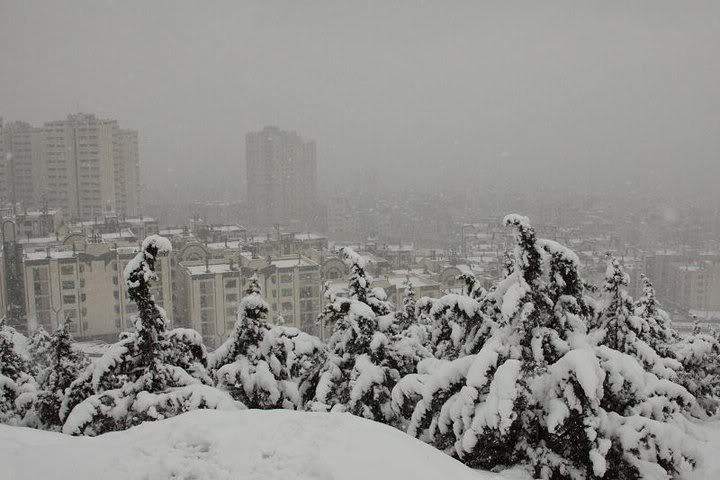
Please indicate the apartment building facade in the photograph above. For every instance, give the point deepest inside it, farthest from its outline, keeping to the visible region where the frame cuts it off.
(20, 166)
(84, 166)
(213, 290)
(281, 176)
(87, 288)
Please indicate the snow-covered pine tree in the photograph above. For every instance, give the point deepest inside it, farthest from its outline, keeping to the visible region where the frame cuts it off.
(699, 354)
(423, 307)
(661, 335)
(408, 338)
(39, 349)
(540, 393)
(459, 326)
(406, 316)
(263, 366)
(134, 380)
(460, 323)
(352, 375)
(412, 329)
(64, 365)
(185, 349)
(359, 283)
(470, 286)
(507, 264)
(250, 327)
(16, 379)
(365, 357)
(621, 329)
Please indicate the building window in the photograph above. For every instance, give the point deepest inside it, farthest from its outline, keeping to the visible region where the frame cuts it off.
(287, 292)
(69, 299)
(42, 303)
(308, 292)
(44, 317)
(67, 269)
(230, 284)
(68, 285)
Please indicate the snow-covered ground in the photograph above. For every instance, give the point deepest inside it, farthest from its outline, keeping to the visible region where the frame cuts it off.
(709, 434)
(255, 445)
(219, 445)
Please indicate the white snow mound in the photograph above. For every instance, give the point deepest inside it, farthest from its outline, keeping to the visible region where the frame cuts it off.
(222, 445)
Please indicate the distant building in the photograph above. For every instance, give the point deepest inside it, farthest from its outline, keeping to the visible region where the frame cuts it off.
(35, 223)
(79, 279)
(110, 222)
(697, 287)
(212, 292)
(83, 165)
(688, 282)
(19, 164)
(128, 188)
(281, 177)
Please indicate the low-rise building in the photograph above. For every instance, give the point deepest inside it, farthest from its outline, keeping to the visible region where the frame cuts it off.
(212, 290)
(35, 223)
(87, 288)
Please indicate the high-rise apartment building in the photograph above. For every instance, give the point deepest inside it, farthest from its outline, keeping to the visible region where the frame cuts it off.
(127, 174)
(79, 155)
(19, 163)
(83, 165)
(281, 177)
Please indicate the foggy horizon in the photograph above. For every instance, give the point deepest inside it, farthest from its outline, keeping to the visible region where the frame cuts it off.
(429, 94)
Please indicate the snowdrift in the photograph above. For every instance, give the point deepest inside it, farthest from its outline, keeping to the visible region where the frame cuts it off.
(232, 445)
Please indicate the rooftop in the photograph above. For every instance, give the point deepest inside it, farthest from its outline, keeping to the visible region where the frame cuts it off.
(53, 254)
(290, 262)
(234, 245)
(212, 268)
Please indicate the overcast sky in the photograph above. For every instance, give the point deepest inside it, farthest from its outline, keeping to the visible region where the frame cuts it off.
(603, 93)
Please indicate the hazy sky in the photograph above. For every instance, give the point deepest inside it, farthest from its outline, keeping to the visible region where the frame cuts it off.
(592, 93)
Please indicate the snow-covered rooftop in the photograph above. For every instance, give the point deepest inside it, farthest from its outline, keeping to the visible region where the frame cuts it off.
(399, 277)
(291, 262)
(172, 231)
(53, 254)
(125, 233)
(309, 236)
(39, 240)
(234, 245)
(229, 228)
(144, 219)
(211, 268)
